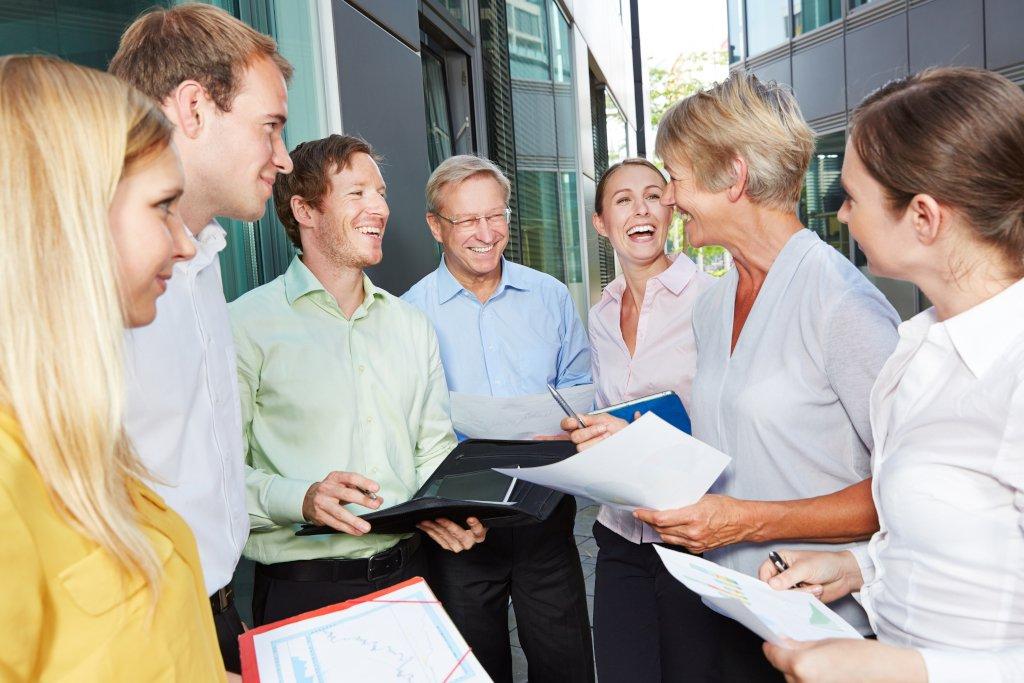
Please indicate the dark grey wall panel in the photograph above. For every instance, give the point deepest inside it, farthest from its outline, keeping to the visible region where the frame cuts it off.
(774, 71)
(875, 54)
(382, 101)
(818, 79)
(401, 17)
(1004, 33)
(947, 32)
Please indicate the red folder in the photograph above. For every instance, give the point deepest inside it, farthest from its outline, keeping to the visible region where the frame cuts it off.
(250, 673)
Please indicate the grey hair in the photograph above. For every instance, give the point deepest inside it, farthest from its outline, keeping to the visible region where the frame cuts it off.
(455, 170)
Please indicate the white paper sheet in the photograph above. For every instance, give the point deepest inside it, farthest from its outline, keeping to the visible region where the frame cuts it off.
(516, 417)
(407, 636)
(649, 464)
(767, 612)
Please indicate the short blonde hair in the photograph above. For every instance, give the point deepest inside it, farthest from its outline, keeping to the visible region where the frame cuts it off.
(740, 117)
(454, 170)
(67, 135)
(164, 47)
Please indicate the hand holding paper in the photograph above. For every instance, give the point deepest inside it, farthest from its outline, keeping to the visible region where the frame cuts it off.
(649, 464)
(773, 615)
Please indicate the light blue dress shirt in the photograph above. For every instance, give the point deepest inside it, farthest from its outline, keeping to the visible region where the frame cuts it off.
(525, 335)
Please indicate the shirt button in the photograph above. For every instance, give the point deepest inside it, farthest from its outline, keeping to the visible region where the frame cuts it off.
(490, 347)
(362, 368)
(369, 420)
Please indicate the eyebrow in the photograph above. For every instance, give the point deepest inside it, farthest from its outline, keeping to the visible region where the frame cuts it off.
(280, 118)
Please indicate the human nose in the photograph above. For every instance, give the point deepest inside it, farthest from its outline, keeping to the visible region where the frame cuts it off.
(282, 161)
(843, 216)
(482, 230)
(182, 248)
(668, 197)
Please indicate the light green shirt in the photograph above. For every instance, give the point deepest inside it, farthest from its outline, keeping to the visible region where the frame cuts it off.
(319, 393)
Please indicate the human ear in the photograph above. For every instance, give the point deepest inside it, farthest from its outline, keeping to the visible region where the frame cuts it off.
(739, 179)
(927, 217)
(598, 222)
(301, 212)
(185, 106)
(435, 228)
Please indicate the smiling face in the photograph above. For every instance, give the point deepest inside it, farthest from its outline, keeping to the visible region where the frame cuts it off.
(700, 209)
(148, 233)
(632, 216)
(244, 150)
(348, 230)
(472, 248)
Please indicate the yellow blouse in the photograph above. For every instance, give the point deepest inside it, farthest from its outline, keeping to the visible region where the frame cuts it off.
(66, 613)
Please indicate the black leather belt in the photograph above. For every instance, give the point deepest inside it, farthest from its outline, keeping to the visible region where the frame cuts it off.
(371, 568)
(222, 599)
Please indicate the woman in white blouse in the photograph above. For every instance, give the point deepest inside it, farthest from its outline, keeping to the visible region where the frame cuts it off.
(934, 175)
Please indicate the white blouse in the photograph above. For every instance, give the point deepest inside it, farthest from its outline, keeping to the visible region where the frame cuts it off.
(945, 572)
(790, 403)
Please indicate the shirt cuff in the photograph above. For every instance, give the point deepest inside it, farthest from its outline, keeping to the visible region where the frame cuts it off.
(956, 666)
(284, 500)
(867, 567)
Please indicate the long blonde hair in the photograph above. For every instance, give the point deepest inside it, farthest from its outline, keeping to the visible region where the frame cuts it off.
(67, 135)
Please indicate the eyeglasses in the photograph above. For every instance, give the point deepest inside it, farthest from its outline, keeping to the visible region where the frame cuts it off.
(494, 220)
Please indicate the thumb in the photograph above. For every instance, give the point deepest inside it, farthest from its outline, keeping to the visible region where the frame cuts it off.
(797, 573)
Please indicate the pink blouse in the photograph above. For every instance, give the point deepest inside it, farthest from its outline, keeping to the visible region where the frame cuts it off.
(665, 356)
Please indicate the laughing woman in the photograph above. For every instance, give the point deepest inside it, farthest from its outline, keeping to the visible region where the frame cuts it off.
(934, 174)
(642, 343)
(99, 580)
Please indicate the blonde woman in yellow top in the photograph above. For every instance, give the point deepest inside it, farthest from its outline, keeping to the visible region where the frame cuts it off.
(99, 580)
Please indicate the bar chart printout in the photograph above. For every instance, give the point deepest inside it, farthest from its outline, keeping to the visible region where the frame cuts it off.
(400, 634)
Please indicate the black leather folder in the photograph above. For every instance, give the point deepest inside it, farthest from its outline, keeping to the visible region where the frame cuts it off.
(465, 486)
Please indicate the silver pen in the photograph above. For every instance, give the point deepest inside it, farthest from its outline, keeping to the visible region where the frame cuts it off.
(565, 406)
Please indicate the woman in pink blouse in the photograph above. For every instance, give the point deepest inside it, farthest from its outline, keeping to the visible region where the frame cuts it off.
(642, 343)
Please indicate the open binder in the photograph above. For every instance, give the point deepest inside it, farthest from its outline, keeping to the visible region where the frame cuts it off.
(465, 486)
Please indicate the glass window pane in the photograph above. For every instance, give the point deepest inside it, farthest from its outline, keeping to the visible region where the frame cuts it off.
(616, 126)
(767, 24)
(539, 221)
(734, 10)
(460, 10)
(439, 133)
(810, 14)
(823, 194)
(858, 3)
(529, 54)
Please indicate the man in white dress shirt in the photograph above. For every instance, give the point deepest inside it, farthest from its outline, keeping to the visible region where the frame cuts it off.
(223, 85)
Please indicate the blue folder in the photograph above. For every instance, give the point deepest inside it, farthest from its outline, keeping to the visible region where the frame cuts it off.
(665, 405)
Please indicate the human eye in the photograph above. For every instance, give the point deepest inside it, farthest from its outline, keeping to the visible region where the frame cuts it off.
(622, 200)
(654, 196)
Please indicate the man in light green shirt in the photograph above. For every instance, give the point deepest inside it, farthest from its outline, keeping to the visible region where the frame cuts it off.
(343, 398)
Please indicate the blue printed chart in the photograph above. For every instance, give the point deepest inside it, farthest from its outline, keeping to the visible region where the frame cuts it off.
(769, 613)
(405, 636)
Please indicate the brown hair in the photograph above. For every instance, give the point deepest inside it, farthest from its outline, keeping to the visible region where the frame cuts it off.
(164, 47)
(603, 182)
(742, 116)
(956, 134)
(314, 164)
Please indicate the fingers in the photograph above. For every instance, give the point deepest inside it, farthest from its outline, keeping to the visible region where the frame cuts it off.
(551, 437)
(766, 571)
(797, 573)
(335, 516)
(477, 528)
(450, 535)
(354, 480)
(439, 537)
(569, 424)
(347, 494)
(664, 520)
(779, 657)
(588, 436)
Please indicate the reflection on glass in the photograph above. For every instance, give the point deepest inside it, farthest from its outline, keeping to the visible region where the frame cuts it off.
(539, 221)
(823, 194)
(734, 9)
(858, 3)
(460, 10)
(561, 47)
(616, 127)
(767, 24)
(529, 54)
(439, 132)
(570, 230)
(810, 14)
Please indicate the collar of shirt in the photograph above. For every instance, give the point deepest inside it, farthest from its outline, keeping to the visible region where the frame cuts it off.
(210, 241)
(300, 282)
(448, 287)
(982, 333)
(674, 278)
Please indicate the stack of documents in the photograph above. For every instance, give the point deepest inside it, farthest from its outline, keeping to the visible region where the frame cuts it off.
(649, 464)
(767, 612)
(398, 634)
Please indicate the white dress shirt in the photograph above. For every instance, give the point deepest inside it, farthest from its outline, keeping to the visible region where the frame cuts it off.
(664, 357)
(945, 572)
(183, 412)
(790, 403)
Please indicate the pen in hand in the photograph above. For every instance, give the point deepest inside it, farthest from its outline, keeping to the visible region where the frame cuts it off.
(782, 565)
(564, 405)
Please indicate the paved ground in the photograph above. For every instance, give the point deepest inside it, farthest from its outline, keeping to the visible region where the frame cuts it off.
(585, 516)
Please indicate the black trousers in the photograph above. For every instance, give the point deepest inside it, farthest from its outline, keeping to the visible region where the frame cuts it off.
(228, 625)
(648, 627)
(539, 567)
(274, 599)
(740, 655)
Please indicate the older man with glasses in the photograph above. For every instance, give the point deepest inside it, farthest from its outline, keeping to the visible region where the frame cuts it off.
(505, 330)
